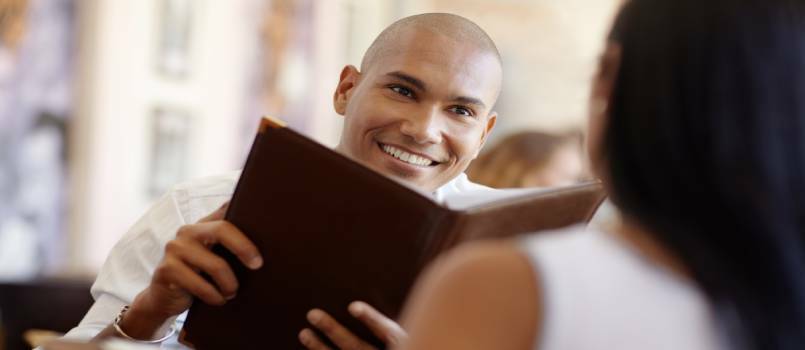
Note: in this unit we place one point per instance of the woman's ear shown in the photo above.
(347, 82)
(599, 106)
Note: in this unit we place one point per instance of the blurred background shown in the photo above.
(104, 104)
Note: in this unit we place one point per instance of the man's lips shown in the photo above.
(407, 156)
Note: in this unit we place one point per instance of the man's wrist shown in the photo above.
(141, 321)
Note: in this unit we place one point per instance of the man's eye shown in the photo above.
(462, 111)
(402, 90)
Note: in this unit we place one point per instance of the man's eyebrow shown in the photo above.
(469, 101)
(419, 84)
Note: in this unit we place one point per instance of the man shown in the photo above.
(418, 109)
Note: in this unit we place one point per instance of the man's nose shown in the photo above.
(425, 127)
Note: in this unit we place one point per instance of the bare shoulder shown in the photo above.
(480, 295)
(477, 264)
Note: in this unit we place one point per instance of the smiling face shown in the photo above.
(422, 111)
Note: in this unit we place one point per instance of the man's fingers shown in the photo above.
(173, 271)
(189, 253)
(383, 327)
(233, 239)
(309, 339)
(337, 333)
(199, 257)
(210, 233)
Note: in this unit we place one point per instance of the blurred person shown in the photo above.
(419, 109)
(697, 129)
(36, 49)
(530, 159)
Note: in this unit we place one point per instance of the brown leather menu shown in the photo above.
(332, 231)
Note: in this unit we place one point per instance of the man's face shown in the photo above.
(421, 112)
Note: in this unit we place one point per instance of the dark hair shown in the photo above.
(705, 147)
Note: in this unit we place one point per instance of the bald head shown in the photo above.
(452, 26)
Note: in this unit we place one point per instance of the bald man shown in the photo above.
(419, 110)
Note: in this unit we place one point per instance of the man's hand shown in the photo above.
(177, 279)
(384, 328)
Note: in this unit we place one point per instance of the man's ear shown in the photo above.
(347, 82)
(490, 124)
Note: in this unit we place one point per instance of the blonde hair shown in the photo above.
(12, 21)
(507, 164)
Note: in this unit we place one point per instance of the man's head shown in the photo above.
(420, 108)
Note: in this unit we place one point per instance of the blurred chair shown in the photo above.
(50, 305)
(531, 159)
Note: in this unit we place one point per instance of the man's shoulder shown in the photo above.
(224, 182)
(196, 198)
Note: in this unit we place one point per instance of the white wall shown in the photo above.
(118, 88)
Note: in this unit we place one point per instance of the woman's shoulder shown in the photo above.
(492, 279)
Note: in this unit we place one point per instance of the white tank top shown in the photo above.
(599, 293)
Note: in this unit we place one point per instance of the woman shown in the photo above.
(698, 129)
(531, 159)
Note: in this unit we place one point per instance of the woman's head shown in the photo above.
(702, 140)
(530, 159)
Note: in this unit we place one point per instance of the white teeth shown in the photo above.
(406, 157)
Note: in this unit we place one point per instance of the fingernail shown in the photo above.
(255, 262)
(356, 308)
(304, 336)
(230, 297)
(314, 316)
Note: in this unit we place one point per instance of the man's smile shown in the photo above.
(407, 156)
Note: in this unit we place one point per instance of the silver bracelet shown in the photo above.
(120, 331)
